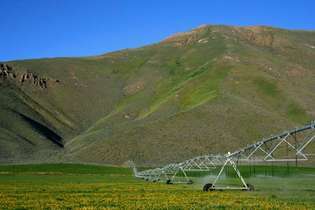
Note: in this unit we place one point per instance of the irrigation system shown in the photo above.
(289, 146)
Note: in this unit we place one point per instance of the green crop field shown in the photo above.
(74, 186)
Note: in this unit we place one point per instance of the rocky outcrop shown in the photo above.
(182, 39)
(133, 88)
(34, 79)
(261, 36)
(8, 72)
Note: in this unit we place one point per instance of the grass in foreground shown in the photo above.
(68, 186)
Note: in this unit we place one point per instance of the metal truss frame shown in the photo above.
(238, 173)
(261, 151)
(269, 146)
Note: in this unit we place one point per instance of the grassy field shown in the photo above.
(70, 186)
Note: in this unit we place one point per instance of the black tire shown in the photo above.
(208, 187)
(169, 181)
(190, 181)
(250, 187)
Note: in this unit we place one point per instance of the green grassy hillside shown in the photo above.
(213, 89)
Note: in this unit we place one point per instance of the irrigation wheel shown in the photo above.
(250, 187)
(208, 187)
(169, 181)
(190, 181)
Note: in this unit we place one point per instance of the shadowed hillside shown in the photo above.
(211, 90)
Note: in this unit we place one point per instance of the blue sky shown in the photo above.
(59, 28)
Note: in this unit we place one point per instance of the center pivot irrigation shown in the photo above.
(288, 146)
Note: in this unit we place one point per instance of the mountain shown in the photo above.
(210, 90)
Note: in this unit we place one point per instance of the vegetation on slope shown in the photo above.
(210, 90)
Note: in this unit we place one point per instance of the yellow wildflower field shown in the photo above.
(52, 190)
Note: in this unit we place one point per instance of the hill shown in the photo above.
(209, 90)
